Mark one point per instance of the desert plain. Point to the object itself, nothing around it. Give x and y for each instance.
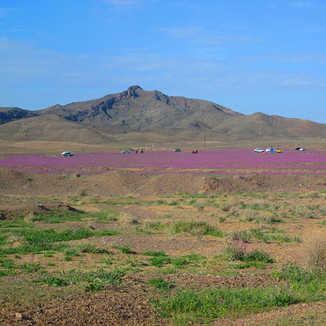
(223, 237)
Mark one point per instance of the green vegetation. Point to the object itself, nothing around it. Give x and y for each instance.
(93, 280)
(160, 283)
(204, 305)
(36, 240)
(59, 262)
(194, 228)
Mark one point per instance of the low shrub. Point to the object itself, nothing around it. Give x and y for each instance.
(237, 251)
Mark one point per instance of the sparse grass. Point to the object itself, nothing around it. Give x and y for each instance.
(93, 280)
(242, 235)
(203, 305)
(200, 217)
(36, 240)
(15, 223)
(159, 261)
(309, 285)
(160, 284)
(125, 249)
(106, 216)
(194, 228)
(58, 216)
(155, 253)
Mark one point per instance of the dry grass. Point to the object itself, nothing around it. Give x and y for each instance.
(316, 253)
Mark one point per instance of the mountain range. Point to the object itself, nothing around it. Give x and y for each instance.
(136, 114)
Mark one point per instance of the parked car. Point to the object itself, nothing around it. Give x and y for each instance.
(67, 154)
(259, 150)
(270, 150)
(177, 150)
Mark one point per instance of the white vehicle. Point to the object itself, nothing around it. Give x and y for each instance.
(259, 150)
(67, 154)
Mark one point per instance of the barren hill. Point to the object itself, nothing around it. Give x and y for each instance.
(136, 109)
(136, 115)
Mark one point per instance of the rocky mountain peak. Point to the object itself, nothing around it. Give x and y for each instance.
(131, 92)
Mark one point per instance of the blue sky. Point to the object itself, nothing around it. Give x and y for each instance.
(249, 55)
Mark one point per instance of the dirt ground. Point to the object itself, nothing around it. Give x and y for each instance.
(26, 194)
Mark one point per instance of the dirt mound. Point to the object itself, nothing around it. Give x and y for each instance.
(119, 182)
(126, 182)
(279, 183)
(11, 179)
(174, 183)
(29, 210)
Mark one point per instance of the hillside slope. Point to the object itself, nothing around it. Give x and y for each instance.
(139, 115)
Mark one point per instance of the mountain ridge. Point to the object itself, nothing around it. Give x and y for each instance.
(135, 111)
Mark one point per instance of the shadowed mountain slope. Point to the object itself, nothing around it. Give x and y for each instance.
(11, 114)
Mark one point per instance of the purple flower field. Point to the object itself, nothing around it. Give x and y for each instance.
(221, 162)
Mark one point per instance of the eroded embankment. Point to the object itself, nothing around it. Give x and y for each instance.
(123, 182)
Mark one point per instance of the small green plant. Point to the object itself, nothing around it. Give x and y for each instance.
(72, 252)
(160, 283)
(30, 267)
(155, 253)
(180, 262)
(195, 228)
(53, 281)
(237, 251)
(242, 235)
(7, 263)
(107, 261)
(155, 225)
(125, 249)
(160, 261)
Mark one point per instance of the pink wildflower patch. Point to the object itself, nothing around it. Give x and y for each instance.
(221, 162)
